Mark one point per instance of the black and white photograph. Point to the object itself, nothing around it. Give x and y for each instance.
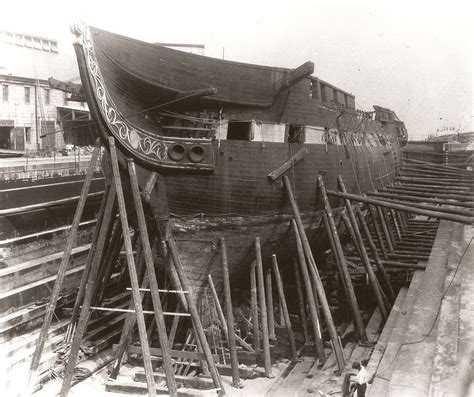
(250, 198)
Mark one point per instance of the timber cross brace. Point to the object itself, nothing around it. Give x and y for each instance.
(95, 274)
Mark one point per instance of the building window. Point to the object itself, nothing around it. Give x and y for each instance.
(47, 98)
(5, 92)
(65, 98)
(27, 94)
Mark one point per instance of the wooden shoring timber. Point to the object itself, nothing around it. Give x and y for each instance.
(395, 224)
(135, 291)
(130, 320)
(253, 306)
(336, 246)
(350, 230)
(110, 259)
(270, 308)
(230, 316)
(263, 310)
(286, 315)
(32, 373)
(404, 207)
(89, 290)
(378, 232)
(150, 268)
(376, 288)
(446, 182)
(310, 296)
(301, 303)
(287, 165)
(85, 274)
(176, 262)
(317, 280)
(382, 216)
(375, 254)
(221, 316)
(422, 192)
(416, 198)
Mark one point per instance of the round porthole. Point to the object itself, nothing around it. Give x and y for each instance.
(176, 152)
(196, 154)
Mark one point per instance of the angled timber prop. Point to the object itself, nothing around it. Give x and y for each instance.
(109, 233)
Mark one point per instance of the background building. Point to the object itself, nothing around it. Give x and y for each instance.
(34, 116)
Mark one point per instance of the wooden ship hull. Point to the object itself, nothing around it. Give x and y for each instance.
(214, 130)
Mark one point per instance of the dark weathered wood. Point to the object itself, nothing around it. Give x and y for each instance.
(316, 279)
(402, 207)
(90, 258)
(32, 373)
(137, 299)
(301, 303)
(310, 296)
(222, 319)
(395, 224)
(375, 254)
(365, 258)
(194, 314)
(297, 74)
(86, 304)
(150, 184)
(230, 316)
(287, 165)
(393, 264)
(270, 308)
(286, 315)
(340, 259)
(254, 306)
(263, 309)
(386, 231)
(150, 268)
(449, 209)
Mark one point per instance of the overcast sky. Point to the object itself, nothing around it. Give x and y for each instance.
(415, 57)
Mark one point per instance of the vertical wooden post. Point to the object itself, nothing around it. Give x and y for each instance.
(344, 272)
(150, 268)
(194, 314)
(130, 319)
(375, 224)
(286, 315)
(253, 306)
(301, 303)
(270, 308)
(263, 310)
(313, 311)
(53, 300)
(373, 248)
(364, 257)
(222, 319)
(230, 317)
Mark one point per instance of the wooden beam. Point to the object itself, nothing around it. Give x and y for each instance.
(287, 165)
